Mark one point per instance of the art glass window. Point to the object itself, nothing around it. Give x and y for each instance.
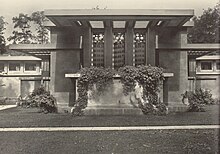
(98, 50)
(118, 50)
(139, 48)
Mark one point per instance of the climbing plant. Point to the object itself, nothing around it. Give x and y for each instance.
(95, 79)
(147, 77)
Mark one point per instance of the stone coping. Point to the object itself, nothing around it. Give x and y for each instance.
(77, 75)
(129, 128)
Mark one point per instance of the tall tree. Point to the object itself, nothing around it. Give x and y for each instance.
(206, 27)
(39, 19)
(2, 38)
(22, 33)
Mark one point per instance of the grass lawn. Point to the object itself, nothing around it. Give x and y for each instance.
(108, 142)
(111, 142)
(22, 117)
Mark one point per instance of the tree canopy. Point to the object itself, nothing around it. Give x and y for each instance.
(22, 33)
(206, 27)
(39, 19)
(23, 29)
(2, 38)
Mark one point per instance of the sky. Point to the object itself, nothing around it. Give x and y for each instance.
(11, 8)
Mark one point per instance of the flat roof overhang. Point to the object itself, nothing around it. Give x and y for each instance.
(70, 17)
(46, 49)
(20, 58)
(40, 50)
(119, 12)
(193, 47)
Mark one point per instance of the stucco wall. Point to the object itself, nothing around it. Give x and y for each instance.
(172, 37)
(175, 62)
(14, 86)
(11, 88)
(27, 86)
(65, 35)
(64, 62)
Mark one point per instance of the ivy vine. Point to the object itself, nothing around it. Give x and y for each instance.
(148, 77)
(98, 76)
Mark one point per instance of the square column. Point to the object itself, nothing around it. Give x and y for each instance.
(62, 88)
(87, 46)
(165, 91)
(108, 46)
(129, 41)
(150, 46)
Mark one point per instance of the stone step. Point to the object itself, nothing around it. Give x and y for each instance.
(177, 108)
(113, 111)
(118, 110)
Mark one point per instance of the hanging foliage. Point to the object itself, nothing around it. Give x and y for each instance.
(147, 77)
(98, 79)
(98, 76)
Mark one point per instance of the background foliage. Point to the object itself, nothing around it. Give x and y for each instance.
(23, 29)
(2, 38)
(206, 27)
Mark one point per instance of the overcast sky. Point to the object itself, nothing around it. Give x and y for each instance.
(11, 8)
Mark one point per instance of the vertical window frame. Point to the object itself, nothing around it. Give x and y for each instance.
(16, 62)
(30, 62)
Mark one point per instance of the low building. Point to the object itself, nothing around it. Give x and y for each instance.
(19, 75)
(205, 71)
(115, 38)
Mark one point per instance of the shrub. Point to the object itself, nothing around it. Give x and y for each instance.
(149, 78)
(149, 108)
(197, 99)
(42, 99)
(161, 109)
(204, 96)
(2, 100)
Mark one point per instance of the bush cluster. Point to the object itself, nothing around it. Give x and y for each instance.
(2, 100)
(42, 99)
(99, 76)
(197, 99)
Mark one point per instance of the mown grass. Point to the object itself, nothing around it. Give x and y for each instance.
(29, 117)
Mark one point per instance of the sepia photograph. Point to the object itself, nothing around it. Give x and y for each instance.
(109, 77)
